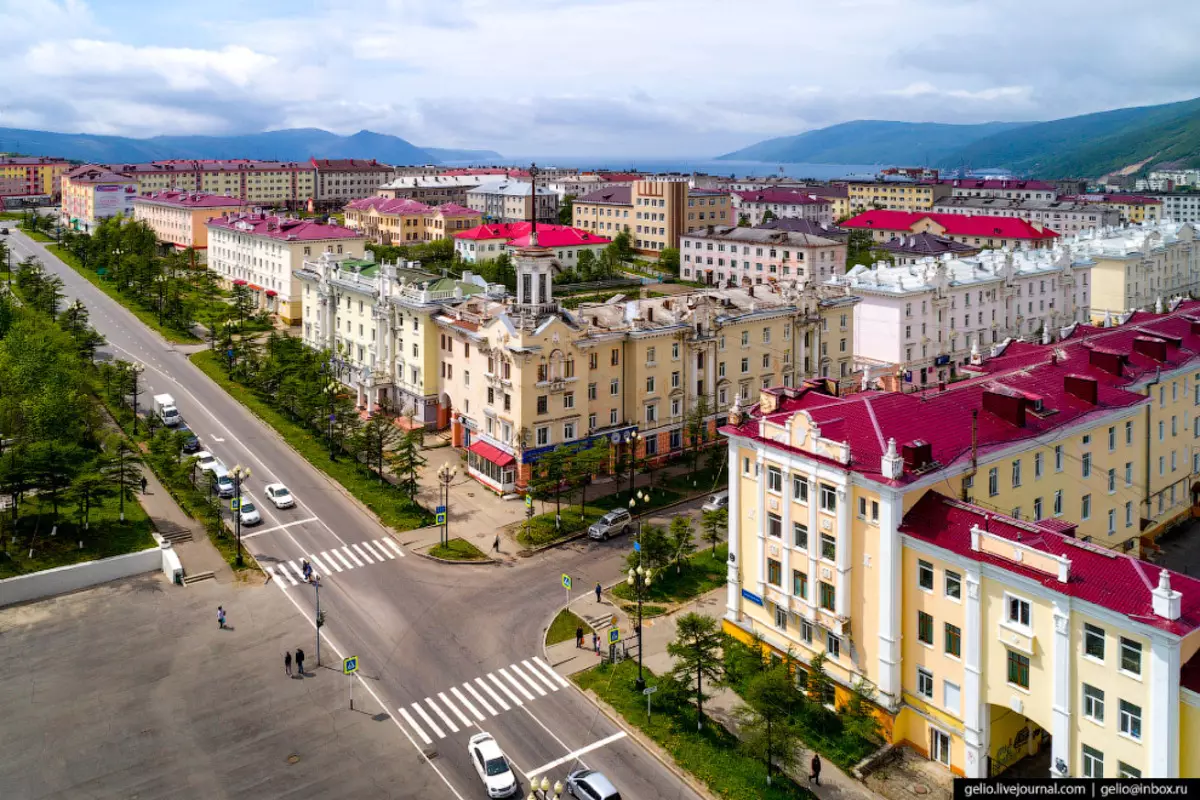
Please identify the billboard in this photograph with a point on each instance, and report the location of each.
(110, 199)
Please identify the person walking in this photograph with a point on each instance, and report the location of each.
(306, 568)
(299, 661)
(144, 484)
(287, 663)
(598, 590)
(579, 637)
(815, 775)
(220, 617)
(496, 543)
(596, 642)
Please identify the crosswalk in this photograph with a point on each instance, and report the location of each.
(467, 704)
(335, 560)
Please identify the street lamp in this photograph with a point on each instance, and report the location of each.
(631, 440)
(331, 390)
(136, 369)
(161, 282)
(445, 474)
(539, 789)
(639, 580)
(239, 474)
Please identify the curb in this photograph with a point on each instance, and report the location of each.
(530, 552)
(484, 562)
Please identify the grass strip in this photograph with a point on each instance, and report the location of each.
(458, 550)
(562, 629)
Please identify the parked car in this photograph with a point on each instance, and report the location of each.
(207, 461)
(716, 501)
(3, 231)
(224, 482)
(493, 768)
(249, 513)
(614, 522)
(588, 784)
(191, 444)
(279, 495)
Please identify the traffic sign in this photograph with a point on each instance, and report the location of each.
(441, 518)
(614, 636)
(612, 623)
(440, 510)
(649, 690)
(235, 504)
(529, 501)
(566, 581)
(350, 665)
(637, 547)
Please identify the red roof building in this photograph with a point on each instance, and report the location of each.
(979, 231)
(486, 242)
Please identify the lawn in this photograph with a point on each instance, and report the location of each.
(562, 629)
(37, 236)
(106, 535)
(540, 530)
(702, 480)
(648, 610)
(712, 754)
(458, 550)
(393, 508)
(703, 572)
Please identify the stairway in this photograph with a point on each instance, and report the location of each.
(175, 534)
(199, 576)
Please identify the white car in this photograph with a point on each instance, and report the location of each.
(207, 461)
(493, 768)
(249, 513)
(279, 495)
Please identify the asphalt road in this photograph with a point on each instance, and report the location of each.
(442, 649)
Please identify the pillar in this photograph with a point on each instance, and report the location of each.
(844, 540)
(1060, 754)
(1162, 731)
(976, 720)
(733, 594)
(891, 556)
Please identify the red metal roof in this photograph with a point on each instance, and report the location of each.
(954, 224)
(282, 228)
(389, 205)
(492, 453)
(180, 199)
(1112, 580)
(516, 234)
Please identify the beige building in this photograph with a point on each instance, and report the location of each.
(91, 194)
(654, 213)
(1063, 216)
(510, 200)
(339, 180)
(895, 196)
(289, 184)
(401, 222)
(430, 189)
(756, 255)
(178, 218)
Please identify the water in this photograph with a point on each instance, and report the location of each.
(709, 166)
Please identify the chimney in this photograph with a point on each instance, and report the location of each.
(1008, 407)
(649, 313)
(1195, 327)
(917, 454)
(1107, 360)
(1167, 603)
(891, 465)
(1150, 347)
(1083, 387)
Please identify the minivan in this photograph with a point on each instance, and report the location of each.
(224, 482)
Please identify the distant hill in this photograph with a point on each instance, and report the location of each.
(443, 154)
(1092, 145)
(872, 142)
(295, 144)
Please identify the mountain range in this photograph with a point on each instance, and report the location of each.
(1089, 145)
(295, 144)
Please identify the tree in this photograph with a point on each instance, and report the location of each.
(584, 465)
(819, 683)
(550, 473)
(858, 713)
(621, 247)
(743, 221)
(695, 427)
(374, 440)
(668, 260)
(88, 488)
(768, 215)
(243, 303)
(121, 470)
(713, 524)
(697, 654)
(682, 545)
(741, 661)
(406, 462)
(656, 549)
(586, 265)
(566, 210)
(765, 725)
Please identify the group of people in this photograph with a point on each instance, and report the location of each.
(287, 663)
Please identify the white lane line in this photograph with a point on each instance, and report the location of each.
(277, 528)
(342, 558)
(324, 570)
(299, 572)
(277, 579)
(513, 681)
(500, 685)
(467, 704)
(429, 721)
(541, 692)
(537, 673)
(329, 559)
(362, 553)
(449, 722)
(569, 757)
(499, 700)
(412, 723)
(561, 680)
(446, 701)
(377, 546)
(392, 544)
(350, 553)
(282, 570)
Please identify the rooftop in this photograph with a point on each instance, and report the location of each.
(953, 224)
(782, 197)
(994, 183)
(208, 165)
(926, 244)
(760, 235)
(1129, 240)
(512, 188)
(432, 181)
(1015, 203)
(349, 165)
(95, 173)
(454, 210)
(178, 199)
(516, 234)
(389, 206)
(30, 161)
(281, 228)
(1128, 199)
(609, 195)
(805, 226)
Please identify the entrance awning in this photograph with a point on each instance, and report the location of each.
(492, 454)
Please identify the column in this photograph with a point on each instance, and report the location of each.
(890, 599)
(976, 725)
(733, 595)
(785, 545)
(814, 543)
(1162, 743)
(1060, 652)
(844, 539)
(760, 520)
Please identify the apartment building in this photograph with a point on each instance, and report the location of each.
(654, 212)
(806, 226)
(289, 184)
(1001, 188)
(430, 189)
(1130, 208)
(920, 323)
(1063, 216)
(894, 195)
(607, 211)
(339, 180)
(781, 203)
(400, 221)
(262, 252)
(178, 218)
(982, 232)
(838, 196)
(960, 551)
(510, 200)
(915, 247)
(1180, 206)
(720, 255)
(29, 178)
(1161, 180)
(487, 242)
(91, 194)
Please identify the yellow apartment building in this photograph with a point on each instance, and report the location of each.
(402, 221)
(866, 195)
(971, 553)
(288, 184)
(32, 176)
(654, 213)
(178, 218)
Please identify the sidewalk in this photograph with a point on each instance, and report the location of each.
(565, 656)
(197, 555)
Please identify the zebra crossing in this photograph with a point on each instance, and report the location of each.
(335, 560)
(493, 693)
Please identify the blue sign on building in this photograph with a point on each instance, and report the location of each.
(529, 456)
(752, 597)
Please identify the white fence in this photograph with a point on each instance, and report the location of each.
(80, 576)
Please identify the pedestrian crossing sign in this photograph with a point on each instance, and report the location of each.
(441, 518)
(235, 504)
(350, 665)
(566, 581)
(529, 501)
(614, 636)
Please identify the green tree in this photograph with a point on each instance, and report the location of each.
(406, 462)
(243, 303)
(122, 470)
(768, 215)
(743, 221)
(586, 266)
(585, 465)
(819, 683)
(566, 210)
(765, 725)
(656, 548)
(374, 440)
(89, 487)
(621, 247)
(695, 427)
(668, 260)
(742, 661)
(682, 545)
(697, 654)
(858, 713)
(550, 474)
(713, 525)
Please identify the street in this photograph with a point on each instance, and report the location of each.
(445, 651)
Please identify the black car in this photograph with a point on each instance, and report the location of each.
(190, 443)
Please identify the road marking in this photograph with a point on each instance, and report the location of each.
(342, 558)
(446, 701)
(467, 704)
(277, 528)
(412, 723)
(329, 559)
(516, 700)
(299, 572)
(317, 562)
(350, 553)
(561, 680)
(537, 673)
(541, 692)
(284, 574)
(391, 543)
(373, 546)
(365, 557)
(372, 551)
(569, 757)
(499, 700)
(518, 686)
(479, 699)
(449, 722)
(428, 721)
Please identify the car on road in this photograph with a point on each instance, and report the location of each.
(716, 501)
(3, 231)
(614, 522)
(207, 461)
(249, 513)
(191, 444)
(224, 481)
(493, 768)
(588, 784)
(279, 495)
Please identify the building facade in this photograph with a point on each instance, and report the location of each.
(655, 213)
(1062, 216)
(487, 242)
(430, 189)
(915, 247)
(406, 222)
(981, 232)
(894, 195)
(747, 256)
(91, 194)
(262, 252)
(178, 218)
(1130, 208)
(289, 184)
(41, 177)
(781, 203)
(510, 200)
(1003, 189)
(339, 180)
(1180, 206)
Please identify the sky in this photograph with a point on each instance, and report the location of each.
(648, 78)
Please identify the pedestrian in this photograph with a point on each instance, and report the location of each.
(220, 617)
(299, 661)
(598, 590)
(144, 484)
(596, 642)
(815, 775)
(579, 637)
(496, 543)
(287, 663)
(306, 568)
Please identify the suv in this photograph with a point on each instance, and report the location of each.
(616, 521)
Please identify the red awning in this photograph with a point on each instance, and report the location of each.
(492, 454)
(255, 287)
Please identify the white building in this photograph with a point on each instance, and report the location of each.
(510, 201)
(1180, 206)
(746, 256)
(1060, 216)
(923, 320)
(1006, 188)
(783, 204)
(1164, 180)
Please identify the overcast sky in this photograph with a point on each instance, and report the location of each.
(581, 77)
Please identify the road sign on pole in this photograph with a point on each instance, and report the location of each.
(529, 501)
(235, 504)
(613, 622)
(441, 518)
(649, 690)
(566, 581)
(614, 636)
(350, 665)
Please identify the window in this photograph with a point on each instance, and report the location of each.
(924, 628)
(828, 596)
(1093, 703)
(828, 547)
(833, 648)
(953, 640)
(1058, 458)
(1037, 508)
(569, 400)
(774, 479)
(543, 436)
(1093, 763)
(951, 694)
(800, 584)
(568, 431)
(591, 391)
(1058, 502)
(828, 498)
(1129, 719)
(925, 575)
(781, 618)
(1038, 463)
(806, 633)
(993, 482)
(953, 585)
(775, 525)
(800, 490)
(1018, 669)
(1085, 507)
(774, 572)
(614, 387)
(1131, 656)
(1093, 641)
(1129, 426)
(1016, 473)
(924, 682)
(1112, 438)
(1123, 769)
(543, 404)
(650, 385)
(800, 535)
(1018, 611)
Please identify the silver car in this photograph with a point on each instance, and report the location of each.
(614, 522)
(587, 784)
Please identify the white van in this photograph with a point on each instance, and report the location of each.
(223, 481)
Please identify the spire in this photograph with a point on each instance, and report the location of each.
(533, 173)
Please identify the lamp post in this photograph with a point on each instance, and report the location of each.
(135, 370)
(331, 390)
(445, 474)
(540, 788)
(161, 282)
(639, 580)
(320, 619)
(239, 474)
(631, 440)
